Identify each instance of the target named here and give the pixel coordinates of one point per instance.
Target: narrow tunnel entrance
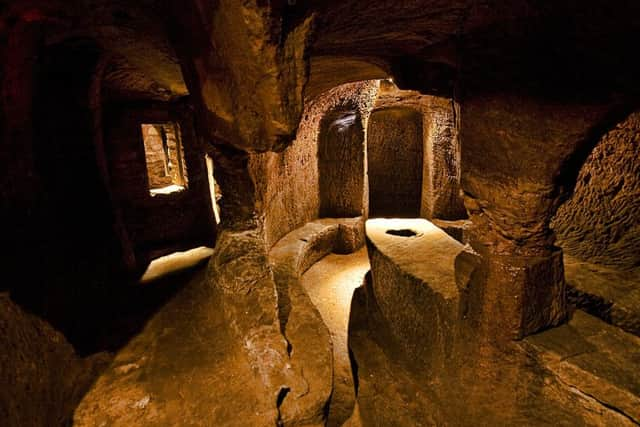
(164, 154)
(394, 155)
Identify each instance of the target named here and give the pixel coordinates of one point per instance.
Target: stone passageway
(330, 284)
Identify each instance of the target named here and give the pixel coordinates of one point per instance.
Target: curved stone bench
(301, 323)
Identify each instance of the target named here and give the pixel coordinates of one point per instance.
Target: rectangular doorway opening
(164, 153)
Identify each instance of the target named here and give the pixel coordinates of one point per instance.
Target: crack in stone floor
(330, 284)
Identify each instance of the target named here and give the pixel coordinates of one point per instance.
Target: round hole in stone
(405, 232)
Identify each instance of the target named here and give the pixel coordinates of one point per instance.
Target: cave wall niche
(341, 163)
(438, 154)
(288, 182)
(599, 223)
(158, 220)
(166, 170)
(395, 161)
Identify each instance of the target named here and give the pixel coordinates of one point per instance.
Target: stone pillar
(441, 193)
(519, 295)
(513, 149)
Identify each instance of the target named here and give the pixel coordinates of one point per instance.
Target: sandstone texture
(607, 293)
(42, 377)
(169, 373)
(416, 272)
(577, 374)
(330, 284)
(599, 223)
(159, 224)
(291, 179)
(300, 321)
(440, 149)
(394, 161)
(595, 359)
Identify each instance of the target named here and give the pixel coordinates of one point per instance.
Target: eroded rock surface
(596, 360)
(599, 223)
(394, 157)
(415, 288)
(440, 149)
(290, 180)
(186, 367)
(611, 294)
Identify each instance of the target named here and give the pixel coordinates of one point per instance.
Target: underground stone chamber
(319, 213)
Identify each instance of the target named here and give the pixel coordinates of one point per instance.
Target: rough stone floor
(610, 294)
(330, 284)
(182, 369)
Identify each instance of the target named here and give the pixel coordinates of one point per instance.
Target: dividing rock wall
(600, 223)
(443, 198)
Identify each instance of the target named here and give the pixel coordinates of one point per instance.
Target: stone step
(594, 359)
(612, 295)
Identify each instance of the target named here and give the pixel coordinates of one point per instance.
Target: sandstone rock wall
(165, 222)
(164, 168)
(395, 155)
(600, 223)
(443, 198)
(289, 180)
(341, 159)
(441, 166)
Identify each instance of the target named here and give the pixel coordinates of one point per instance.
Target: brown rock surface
(289, 181)
(42, 377)
(247, 69)
(577, 374)
(330, 284)
(310, 344)
(597, 360)
(600, 222)
(610, 294)
(394, 161)
(341, 165)
(441, 196)
(186, 367)
(415, 288)
(533, 84)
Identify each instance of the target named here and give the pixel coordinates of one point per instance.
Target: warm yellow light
(175, 262)
(173, 188)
